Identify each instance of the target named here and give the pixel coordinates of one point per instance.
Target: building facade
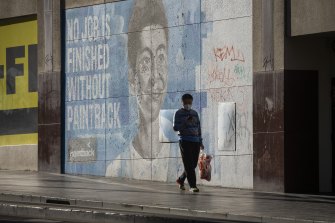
(109, 75)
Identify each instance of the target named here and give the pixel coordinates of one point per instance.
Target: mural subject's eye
(161, 63)
(145, 65)
(161, 58)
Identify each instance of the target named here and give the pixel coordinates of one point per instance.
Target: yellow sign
(17, 35)
(18, 83)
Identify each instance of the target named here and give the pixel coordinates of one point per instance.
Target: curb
(78, 215)
(99, 211)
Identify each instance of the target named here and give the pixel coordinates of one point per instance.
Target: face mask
(188, 107)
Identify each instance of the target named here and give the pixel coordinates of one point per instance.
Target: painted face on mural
(151, 71)
(148, 71)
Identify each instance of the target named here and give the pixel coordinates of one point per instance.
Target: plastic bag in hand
(204, 164)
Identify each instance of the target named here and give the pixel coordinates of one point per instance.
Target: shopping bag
(204, 164)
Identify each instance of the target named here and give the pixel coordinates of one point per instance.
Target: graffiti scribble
(226, 53)
(268, 62)
(48, 59)
(224, 76)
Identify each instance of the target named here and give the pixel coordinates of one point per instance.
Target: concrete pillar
(49, 85)
(268, 94)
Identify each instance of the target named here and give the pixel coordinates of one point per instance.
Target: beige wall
(264, 34)
(312, 16)
(22, 157)
(15, 8)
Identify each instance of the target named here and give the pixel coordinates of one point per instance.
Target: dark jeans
(190, 154)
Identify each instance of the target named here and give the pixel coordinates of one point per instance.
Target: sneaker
(194, 190)
(181, 184)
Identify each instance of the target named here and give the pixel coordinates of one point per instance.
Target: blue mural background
(102, 100)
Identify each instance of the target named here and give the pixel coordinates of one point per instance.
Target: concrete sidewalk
(154, 198)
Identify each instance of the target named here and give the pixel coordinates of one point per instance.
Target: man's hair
(186, 96)
(145, 13)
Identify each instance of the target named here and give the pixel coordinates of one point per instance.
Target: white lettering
(93, 116)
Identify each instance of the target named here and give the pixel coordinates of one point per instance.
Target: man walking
(187, 122)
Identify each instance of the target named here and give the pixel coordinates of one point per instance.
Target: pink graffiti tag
(224, 76)
(237, 94)
(226, 53)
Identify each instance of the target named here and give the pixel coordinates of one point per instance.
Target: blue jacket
(188, 125)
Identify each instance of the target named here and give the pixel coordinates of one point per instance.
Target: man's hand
(190, 118)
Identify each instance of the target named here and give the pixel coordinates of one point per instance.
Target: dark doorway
(301, 131)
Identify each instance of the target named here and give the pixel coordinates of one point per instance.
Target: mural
(18, 83)
(166, 120)
(127, 65)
